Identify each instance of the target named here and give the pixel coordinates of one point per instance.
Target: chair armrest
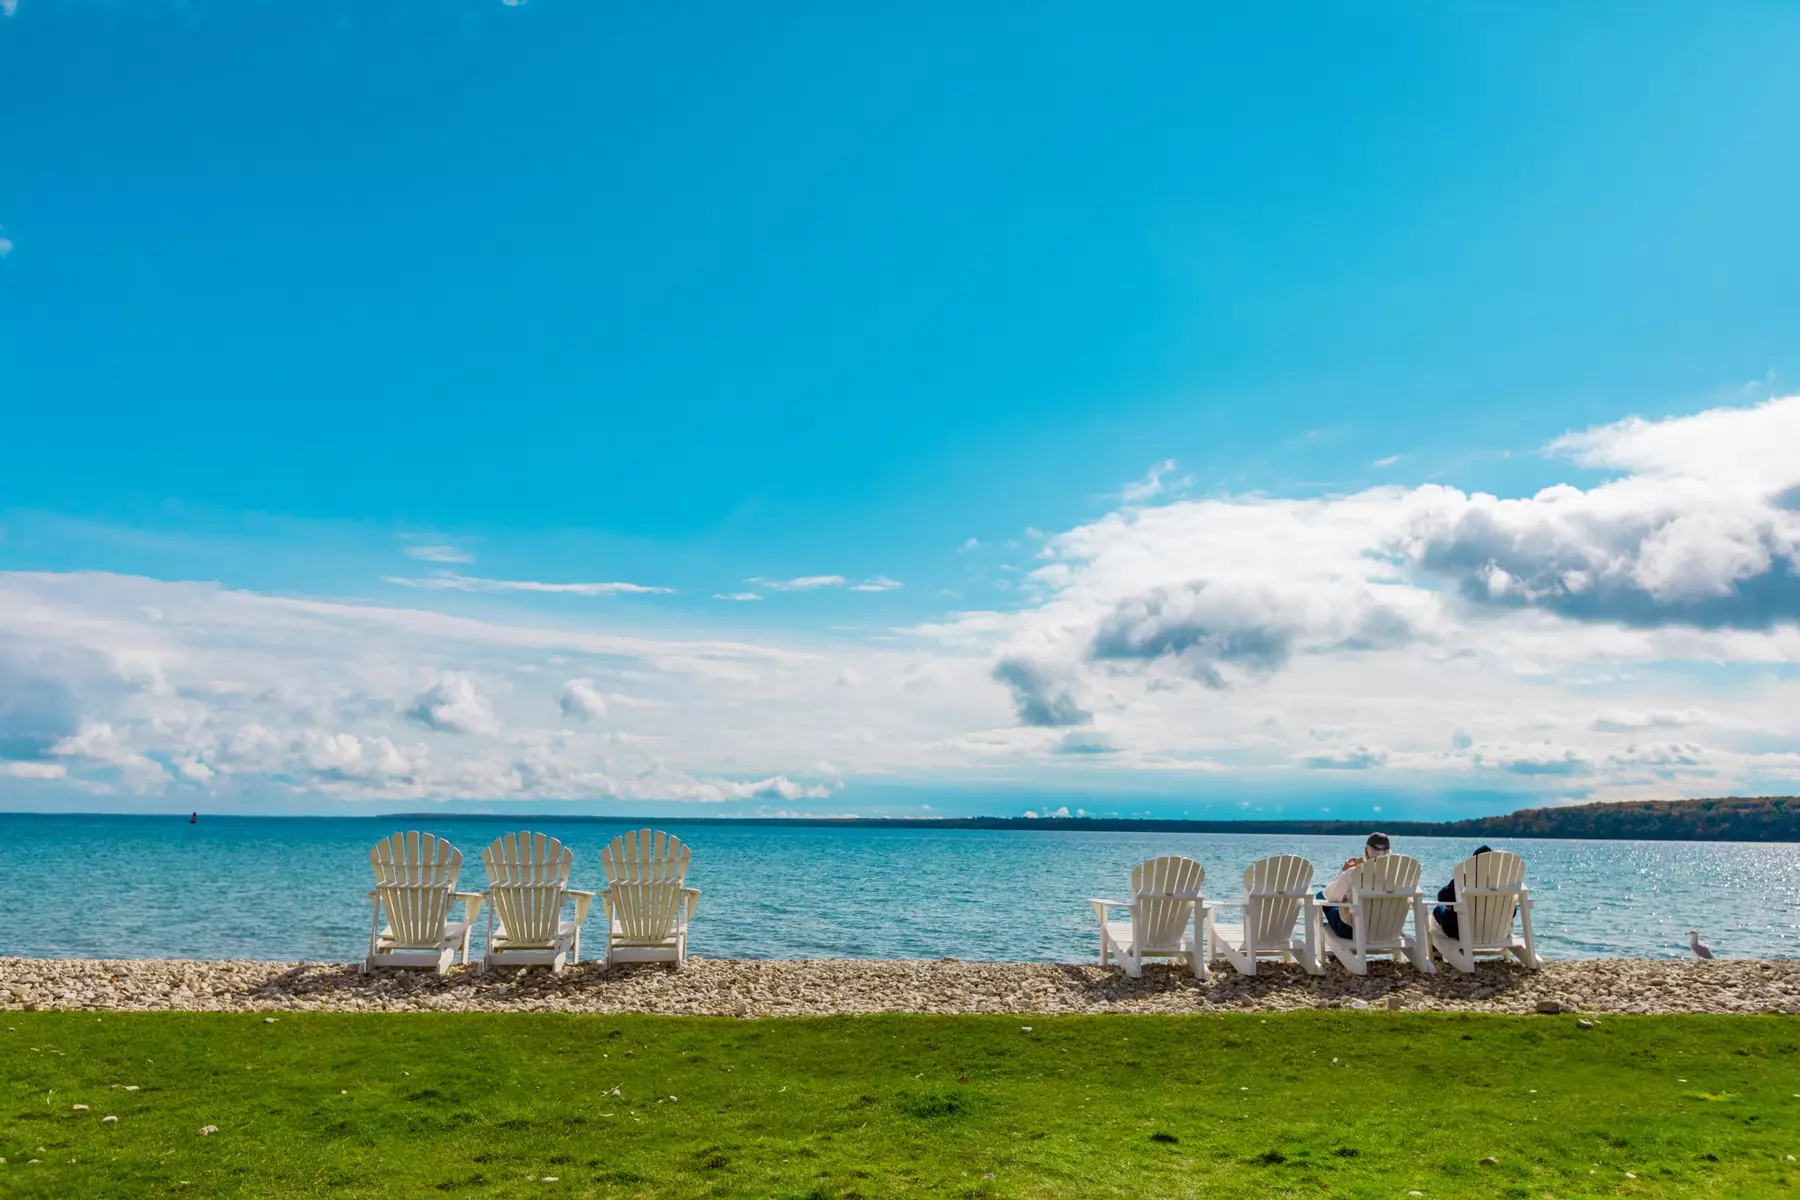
(691, 897)
(1107, 903)
(472, 902)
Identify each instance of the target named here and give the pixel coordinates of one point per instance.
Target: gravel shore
(745, 988)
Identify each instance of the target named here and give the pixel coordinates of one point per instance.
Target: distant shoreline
(1730, 819)
(1727, 819)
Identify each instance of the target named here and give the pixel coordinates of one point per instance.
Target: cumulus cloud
(454, 705)
(1351, 758)
(450, 581)
(97, 744)
(1085, 741)
(582, 700)
(1621, 635)
(1696, 530)
(1625, 720)
(37, 704)
(439, 554)
(1040, 697)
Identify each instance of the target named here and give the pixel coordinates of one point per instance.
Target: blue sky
(292, 294)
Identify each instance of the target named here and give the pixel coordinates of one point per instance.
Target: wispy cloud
(450, 581)
(1389, 461)
(738, 596)
(440, 554)
(1151, 485)
(973, 543)
(7, 9)
(808, 583)
(5, 242)
(804, 583)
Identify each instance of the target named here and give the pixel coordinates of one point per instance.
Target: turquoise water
(156, 887)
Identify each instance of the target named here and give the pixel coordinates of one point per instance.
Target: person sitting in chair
(1338, 890)
(1446, 917)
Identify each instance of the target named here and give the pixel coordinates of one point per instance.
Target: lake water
(156, 887)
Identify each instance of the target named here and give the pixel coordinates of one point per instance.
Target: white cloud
(804, 583)
(8, 7)
(1388, 461)
(454, 705)
(1624, 720)
(582, 700)
(450, 581)
(1623, 638)
(881, 583)
(1350, 758)
(740, 597)
(1150, 486)
(33, 770)
(971, 544)
(96, 744)
(439, 554)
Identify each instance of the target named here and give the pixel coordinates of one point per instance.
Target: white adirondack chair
(528, 887)
(648, 903)
(1490, 888)
(1166, 903)
(415, 885)
(1276, 889)
(1384, 892)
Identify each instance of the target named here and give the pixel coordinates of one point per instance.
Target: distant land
(1730, 819)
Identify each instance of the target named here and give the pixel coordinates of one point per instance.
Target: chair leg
(1531, 955)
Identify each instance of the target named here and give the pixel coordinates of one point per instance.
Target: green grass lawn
(1304, 1104)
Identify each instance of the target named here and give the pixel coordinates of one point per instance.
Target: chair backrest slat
(519, 858)
(1487, 921)
(416, 912)
(1274, 889)
(1162, 898)
(646, 856)
(646, 912)
(1388, 888)
(415, 858)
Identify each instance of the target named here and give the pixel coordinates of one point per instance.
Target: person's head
(1482, 850)
(1377, 845)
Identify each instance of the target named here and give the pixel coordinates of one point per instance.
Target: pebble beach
(820, 987)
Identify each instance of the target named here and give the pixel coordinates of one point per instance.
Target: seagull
(1700, 948)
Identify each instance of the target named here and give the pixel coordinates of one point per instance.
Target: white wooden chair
(648, 903)
(528, 887)
(1166, 903)
(1276, 889)
(1384, 892)
(415, 886)
(1490, 889)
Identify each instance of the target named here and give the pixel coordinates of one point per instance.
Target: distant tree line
(1731, 819)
